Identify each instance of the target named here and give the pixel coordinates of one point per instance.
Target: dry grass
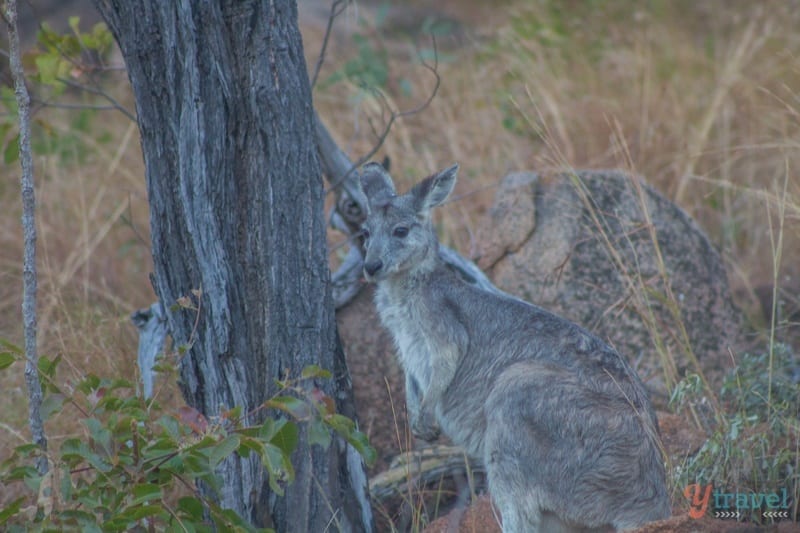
(703, 99)
(93, 260)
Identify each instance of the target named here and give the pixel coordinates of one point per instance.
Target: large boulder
(607, 251)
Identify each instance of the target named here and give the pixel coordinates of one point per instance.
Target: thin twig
(29, 230)
(42, 103)
(100, 92)
(395, 115)
(337, 8)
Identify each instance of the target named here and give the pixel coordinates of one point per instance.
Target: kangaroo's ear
(376, 183)
(434, 189)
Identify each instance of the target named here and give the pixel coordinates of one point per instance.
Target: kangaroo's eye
(400, 231)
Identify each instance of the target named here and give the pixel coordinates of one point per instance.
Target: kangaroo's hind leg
(522, 504)
(514, 492)
(516, 516)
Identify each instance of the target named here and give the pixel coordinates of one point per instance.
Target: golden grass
(703, 99)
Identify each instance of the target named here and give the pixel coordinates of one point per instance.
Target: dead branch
(420, 468)
(394, 115)
(152, 325)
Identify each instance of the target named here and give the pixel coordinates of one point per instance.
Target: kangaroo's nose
(372, 267)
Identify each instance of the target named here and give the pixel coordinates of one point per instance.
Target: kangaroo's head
(398, 237)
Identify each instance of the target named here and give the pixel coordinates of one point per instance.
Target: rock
(679, 436)
(480, 516)
(582, 246)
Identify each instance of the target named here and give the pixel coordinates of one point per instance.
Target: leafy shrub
(753, 447)
(133, 455)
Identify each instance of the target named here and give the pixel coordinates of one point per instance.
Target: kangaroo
(561, 422)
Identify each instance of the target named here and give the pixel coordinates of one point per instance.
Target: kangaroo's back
(560, 420)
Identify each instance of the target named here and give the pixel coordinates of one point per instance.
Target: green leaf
(341, 424)
(228, 520)
(48, 66)
(47, 367)
(66, 485)
(74, 23)
(99, 433)
(159, 448)
(196, 463)
(6, 359)
(224, 448)
(360, 442)
(250, 445)
(11, 152)
(279, 467)
(146, 492)
(122, 521)
(294, 406)
(99, 39)
(85, 520)
(76, 449)
(52, 403)
(11, 347)
(314, 371)
(269, 428)
(171, 426)
(10, 510)
(286, 438)
(192, 507)
(5, 127)
(20, 473)
(88, 384)
(319, 433)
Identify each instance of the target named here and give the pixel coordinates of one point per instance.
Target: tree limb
(337, 8)
(394, 115)
(420, 467)
(29, 280)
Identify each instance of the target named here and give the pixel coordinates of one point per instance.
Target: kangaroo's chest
(407, 322)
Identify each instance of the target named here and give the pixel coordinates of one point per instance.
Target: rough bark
(236, 202)
(29, 279)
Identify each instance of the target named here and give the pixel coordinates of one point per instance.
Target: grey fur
(562, 423)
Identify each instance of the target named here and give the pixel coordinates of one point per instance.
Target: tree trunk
(236, 212)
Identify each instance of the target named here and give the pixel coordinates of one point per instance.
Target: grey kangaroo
(561, 422)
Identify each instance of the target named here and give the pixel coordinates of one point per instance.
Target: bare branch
(420, 468)
(100, 92)
(93, 89)
(337, 8)
(29, 229)
(394, 115)
(42, 103)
